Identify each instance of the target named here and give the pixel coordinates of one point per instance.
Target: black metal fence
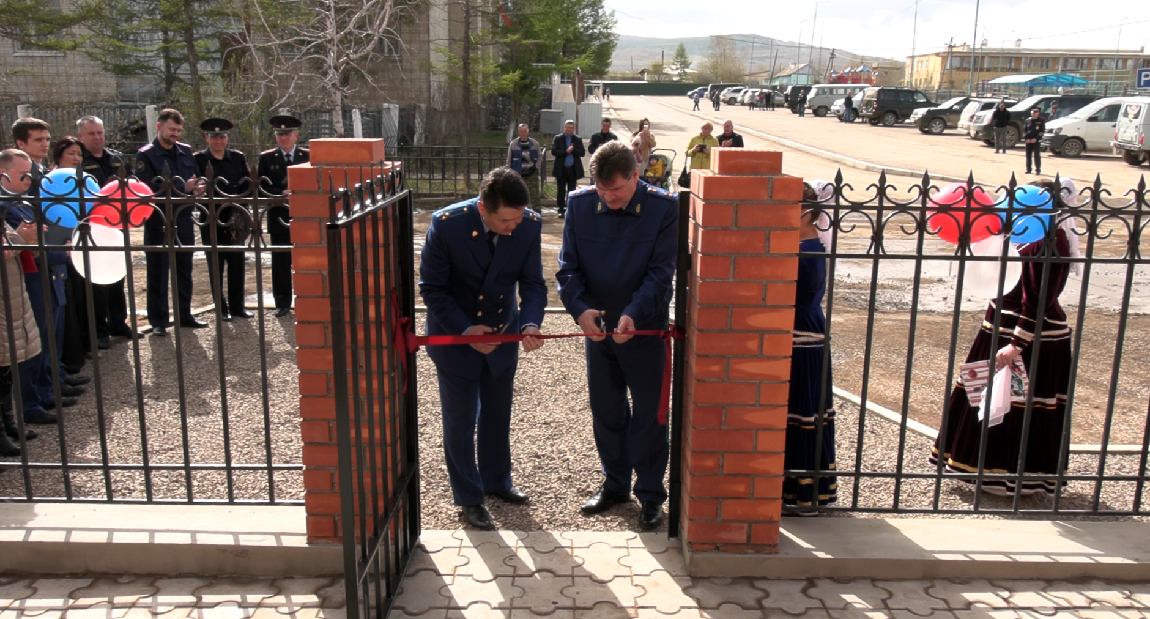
(206, 414)
(371, 279)
(906, 311)
(447, 171)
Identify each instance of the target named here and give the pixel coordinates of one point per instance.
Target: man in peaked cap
(229, 176)
(273, 167)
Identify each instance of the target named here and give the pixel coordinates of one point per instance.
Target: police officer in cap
(227, 168)
(273, 167)
(615, 269)
(167, 153)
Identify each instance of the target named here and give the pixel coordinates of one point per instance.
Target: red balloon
(133, 195)
(948, 215)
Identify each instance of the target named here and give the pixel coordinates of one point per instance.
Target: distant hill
(641, 52)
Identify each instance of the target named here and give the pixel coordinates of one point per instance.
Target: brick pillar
(744, 246)
(335, 163)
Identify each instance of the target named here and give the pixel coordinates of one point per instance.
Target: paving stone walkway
(566, 575)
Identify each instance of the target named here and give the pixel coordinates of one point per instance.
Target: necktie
(287, 158)
(491, 241)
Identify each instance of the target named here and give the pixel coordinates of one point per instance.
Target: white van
(823, 96)
(1133, 127)
(1089, 129)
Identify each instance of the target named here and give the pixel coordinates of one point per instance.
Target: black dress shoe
(651, 516)
(71, 392)
(65, 403)
(77, 381)
(603, 500)
(192, 323)
(104, 343)
(122, 331)
(282, 311)
(242, 313)
(512, 495)
(43, 419)
(226, 316)
(478, 517)
(160, 331)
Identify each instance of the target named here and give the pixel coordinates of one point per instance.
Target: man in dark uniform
(167, 151)
(567, 149)
(273, 166)
(615, 271)
(228, 222)
(476, 255)
(109, 301)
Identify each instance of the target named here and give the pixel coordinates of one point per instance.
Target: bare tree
(725, 62)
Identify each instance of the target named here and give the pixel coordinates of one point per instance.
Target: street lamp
(913, 40)
(973, 41)
(799, 53)
(811, 56)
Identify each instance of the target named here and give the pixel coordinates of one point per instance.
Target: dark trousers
(483, 401)
(696, 105)
(1034, 152)
(279, 233)
(29, 400)
(222, 262)
(565, 183)
(629, 439)
(158, 269)
(110, 306)
(771, 103)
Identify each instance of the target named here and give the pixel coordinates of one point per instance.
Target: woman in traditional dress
(808, 391)
(1049, 374)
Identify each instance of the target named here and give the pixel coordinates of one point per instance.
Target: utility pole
(913, 40)
(945, 67)
(751, 60)
(775, 60)
(830, 66)
(814, 23)
(973, 42)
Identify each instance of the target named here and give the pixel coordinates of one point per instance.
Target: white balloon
(982, 277)
(108, 267)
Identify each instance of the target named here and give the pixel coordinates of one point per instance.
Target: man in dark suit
(225, 224)
(567, 149)
(273, 166)
(476, 255)
(166, 151)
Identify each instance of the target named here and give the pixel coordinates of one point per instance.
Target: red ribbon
(402, 331)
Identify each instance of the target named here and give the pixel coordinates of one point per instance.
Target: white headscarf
(825, 193)
(1071, 197)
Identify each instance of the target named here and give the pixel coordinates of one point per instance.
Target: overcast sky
(884, 27)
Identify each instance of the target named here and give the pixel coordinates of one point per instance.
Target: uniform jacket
(1033, 129)
(559, 152)
(181, 164)
(273, 167)
(232, 177)
(463, 285)
(621, 262)
(27, 334)
(105, 167)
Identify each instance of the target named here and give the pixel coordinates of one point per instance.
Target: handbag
(685, 178)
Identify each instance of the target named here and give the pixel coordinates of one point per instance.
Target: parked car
(1133, 127)
(838, 106)
(936, 120)
(980, 104)
(730, 96)
(791, 96)
(891, 105)
(748, 95)
(701, 91)
(1089, 129)
(980, 128)
(719, 87)
(822, 96)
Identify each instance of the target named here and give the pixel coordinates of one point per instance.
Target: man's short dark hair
(22, 129)
(607, 120)
(168, 113)
(611, 160)
(503, 187)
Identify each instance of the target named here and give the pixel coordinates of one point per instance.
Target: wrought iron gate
(371, 280)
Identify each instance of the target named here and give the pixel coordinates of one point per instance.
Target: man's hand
(27, 232)
(1005, 356)
(622, 330)
(195, 186)
(727, 143)
(531, 343)
(571, 148)
(481, 330)
(590, 327)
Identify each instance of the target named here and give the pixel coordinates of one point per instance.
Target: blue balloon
(1033, 213)
(60, 193)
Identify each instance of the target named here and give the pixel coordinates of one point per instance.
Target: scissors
(601, 324)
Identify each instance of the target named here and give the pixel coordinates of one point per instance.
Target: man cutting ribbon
(476, 254)
(615, 271)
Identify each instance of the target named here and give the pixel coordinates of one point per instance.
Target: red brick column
(744, 246)
(335, 163)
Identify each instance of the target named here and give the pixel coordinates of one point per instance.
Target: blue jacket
(463, 285)
(622, 261)
(16, 213)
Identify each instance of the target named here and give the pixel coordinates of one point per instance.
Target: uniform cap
(285, 123)
(216, 126)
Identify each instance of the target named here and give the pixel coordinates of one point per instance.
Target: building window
(1039, 63)
(1076, 64)
(29, 48)
(959, 62)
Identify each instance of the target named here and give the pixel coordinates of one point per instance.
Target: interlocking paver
(445, 561)
(730, 611)
(423, 591)
(477, 538)
(226, 610)
(859, 593)
(1110, 613)
(486, 562)
(102, 610)
(527, 561)
(810, 613)
(601, 562)
(655, 543)
(439, 613)
(910, 595)
(966, 595)
(787, 595)
(333, 595)
(664, 592)
(438, 539)
(543, 541)
(604, 610)
(296, 593)
(644, 563)
(13, 591)
(1109, 594)
(542, 593)
(1138, 592)
(1030, 594)
(714, 592)
(583, 539)
(586, 593)
(114, 591)
(464, 592)
(244, 592)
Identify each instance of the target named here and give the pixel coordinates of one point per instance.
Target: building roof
(802, 69)
(1039, 51)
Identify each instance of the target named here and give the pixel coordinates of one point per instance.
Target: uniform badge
(141, 166)
(474, 233)
(600, 207)
(638, 207)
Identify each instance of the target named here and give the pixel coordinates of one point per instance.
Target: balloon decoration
(948, 215)
(132, 195)
(60, 192)
(982, 276)
(1028, 226)
(108, 267)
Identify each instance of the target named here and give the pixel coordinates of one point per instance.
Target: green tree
(681, 62)
(45, 24)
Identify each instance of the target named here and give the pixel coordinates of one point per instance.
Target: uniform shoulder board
(589, 189)
(268, 151)
(187, 146)
(532, 215)
(659, 191)
(304, 150)
(455, 210)
(145, 148)
(236, 152)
